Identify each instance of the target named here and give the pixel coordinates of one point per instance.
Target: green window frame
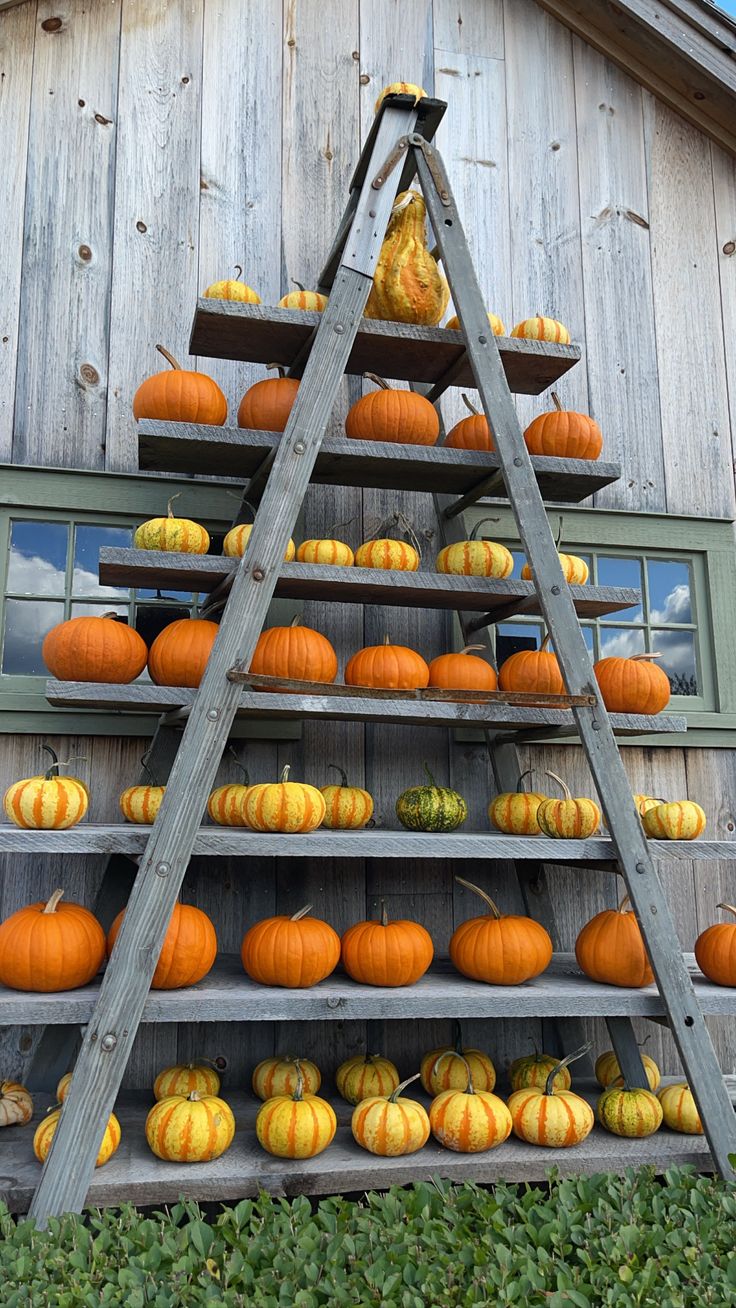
(707, 547)
(107, 500)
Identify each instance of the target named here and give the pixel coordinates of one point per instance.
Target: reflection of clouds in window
(37, 562)
(87, 544)
(669, 591)
(29, 574)
(619, 643)
(678, 659)
(676, 607)
(26, 624)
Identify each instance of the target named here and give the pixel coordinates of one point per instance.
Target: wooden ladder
(398, 148)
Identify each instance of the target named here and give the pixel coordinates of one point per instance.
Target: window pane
(678, 660)
(37, 564)
(80, 610)
(621, 642)
(87, 542)
(669, 591)
(514, 636)
(621, 572)
(588, 637)
(26, 624)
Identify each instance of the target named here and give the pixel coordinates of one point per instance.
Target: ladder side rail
(642, 882)
(109, 1037)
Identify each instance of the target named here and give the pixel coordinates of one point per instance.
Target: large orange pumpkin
(49, 947)
(386, 953)
(501, 949)
(267, 404)
(564, 434)
(295, 952)
(463, 671)
(610, 948)
(471, 433)
(633, 685)
(395, 667)
(189, 948)
(94, 649)
(180, 396)
(535, 671)
(48, 801)
(715, 950)
(294, 652)
(400, 417)
(179, 654)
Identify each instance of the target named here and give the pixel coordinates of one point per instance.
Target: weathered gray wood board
(724, 191)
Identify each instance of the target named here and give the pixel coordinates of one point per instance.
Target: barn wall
(148, 149)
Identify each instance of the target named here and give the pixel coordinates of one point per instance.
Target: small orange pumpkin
(392, 666)
(180, 396)
(399, 417)
(633, 685)
(386, 953)
(295, 952)
(48, 801)
(564, 434)
(267, 404)
(500, 949)
(610, 948)
(462, 671)
(535, 671)
(94, 649)
(294, 652)
(179, 654)
(188, 951)
(542, 329)
(301, 299)
(141, 803)
(232, 290)
(471, 433)
(50, 947)
(715, 950)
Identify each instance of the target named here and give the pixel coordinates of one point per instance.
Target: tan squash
(407, 284)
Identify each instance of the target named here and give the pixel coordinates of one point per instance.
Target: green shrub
(631, 1240)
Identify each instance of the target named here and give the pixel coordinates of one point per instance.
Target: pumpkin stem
(110, 613)
(372, 376)
(557, 402)
(169, 510)
(297, 284)
(302, 913)
(54, 765)
(544, 643)
(343, 774)
(728, 908)
(277, 367)
(565, 1062)
(337, 525)
(469, 405)
(295, 621)
(474, 533)
(386, 640)
(285, 773)
(238, 269)
(169, 358)
(450, 1053)
(468, 648)
(431, 779)
(625, 900)
(395, 1094)
(529, 773)
(194, 1097)
(634, 658)
(477, 891)
(299, 1090)
(558, 537)
(384, 913)
(53, 901)
(239, 765)
(565, 787)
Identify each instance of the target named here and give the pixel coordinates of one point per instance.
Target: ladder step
(238, 453)
(134, 1175)
(306, 581)
(228, 995)
(257, 333)
(144, 697)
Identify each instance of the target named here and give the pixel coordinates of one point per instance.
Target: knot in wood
(141, 226)
(729, 247)
(102, 120)
(85, 253)
(51, 24)
(89, 374)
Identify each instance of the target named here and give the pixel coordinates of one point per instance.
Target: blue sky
(728, 5)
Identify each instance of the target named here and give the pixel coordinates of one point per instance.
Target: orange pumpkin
(395, 667)
(610, 948)
(179, 654)
(294, 652)
(49, 947)
(535, 671)
(399, 417)
(48, 801)
(180, 396)
(188, 951)
(564, 434)
(267, 404)
(94, 649)
(471, 433)
(633, 685)
(386, 953)
(542, 329)
(469, 1121)
(295, 952)
(463, 671)
(501, 949)
(232, 290)
(715, 950)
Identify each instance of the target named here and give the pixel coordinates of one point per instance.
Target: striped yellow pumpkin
(447, 1069)
(683, 820)
(278, 1076)
(190, 1128)
(283, 806)
(184, 1078)
(393, 555)
(296, 1126)
(631, 1113)
(608, 1072)
(389, 1125)
(141, 803)
(45, 1134)
(234, 544)
(365, 1075)
(534, 1070)
(568, 818)
(575, 569)
(496, 324)
(469, 1121)
(47, 802)
(232, 290)
(347, 808)
(335, 552)
(542, 329)
(177, 534)
(476, 558)
(407, 284)
(515, 811)
(301, 299)
(225, 805)
(679, 1109)
(63, 1087)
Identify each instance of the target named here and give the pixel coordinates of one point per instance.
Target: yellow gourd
(407, 284)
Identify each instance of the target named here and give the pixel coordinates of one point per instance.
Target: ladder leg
(642, 882)
(626, 1049)
(112, 1028)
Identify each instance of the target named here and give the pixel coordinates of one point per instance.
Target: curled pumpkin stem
(53, 902)
(563, 1063)
(402, 1086)
(169, 358)
(378, 381)
(474, 533)
(169, 510)
(276, 367)
(302, 913)
(341, 771)
(451, 1053)
(565, 787)
(728, 908)
(482, 893)
(469, 405)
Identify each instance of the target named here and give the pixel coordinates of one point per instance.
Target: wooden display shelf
(236, 452)
(259, 333)
(228, 995)
(237, 842)
(134, 1175)
(144, 697)
(310, 581)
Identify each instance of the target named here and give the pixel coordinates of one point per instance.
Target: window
(685, 571)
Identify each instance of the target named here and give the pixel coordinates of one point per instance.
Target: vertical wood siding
(149, 149)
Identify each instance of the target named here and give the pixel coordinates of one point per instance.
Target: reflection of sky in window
(621, 572)
(26, 624)
(87, 544)
(678, 660)
(37, 563)
(669, 591)
(621, 642)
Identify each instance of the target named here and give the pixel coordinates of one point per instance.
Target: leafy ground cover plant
(580, 1243)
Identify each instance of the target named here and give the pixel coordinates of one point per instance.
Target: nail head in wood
(258, 574)
(163, 869)
(300, 447)
(640, 867)
(555, 590)
(108, 1042)
(213, 714)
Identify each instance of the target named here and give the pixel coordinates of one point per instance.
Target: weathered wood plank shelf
(228, 995)
(236, 452)
(310, 581)
(134, 1175)
(144, 697)
(228, 842)
(259, 333)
